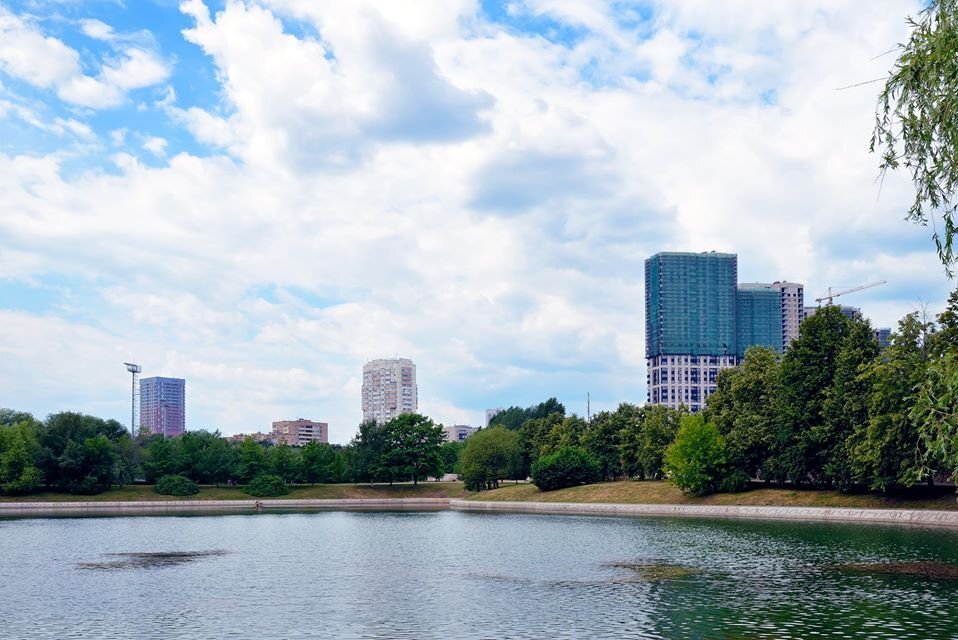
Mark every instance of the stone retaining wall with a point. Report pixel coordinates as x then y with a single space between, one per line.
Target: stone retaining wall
887 516
194 506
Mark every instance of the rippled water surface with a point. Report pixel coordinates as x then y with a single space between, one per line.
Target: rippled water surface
460 575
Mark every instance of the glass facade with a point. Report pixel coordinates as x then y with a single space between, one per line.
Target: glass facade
758 319
690 304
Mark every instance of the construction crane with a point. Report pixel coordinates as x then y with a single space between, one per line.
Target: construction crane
852 290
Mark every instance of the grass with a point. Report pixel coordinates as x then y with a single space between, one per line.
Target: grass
298 492
656 492
623 492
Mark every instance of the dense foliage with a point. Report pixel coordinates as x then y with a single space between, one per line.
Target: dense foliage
834 411
266 485
697 461
567 467
176 485
489 456
916 122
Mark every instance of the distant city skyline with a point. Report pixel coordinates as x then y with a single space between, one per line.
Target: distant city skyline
262 196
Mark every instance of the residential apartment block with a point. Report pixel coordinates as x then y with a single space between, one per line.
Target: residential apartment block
699 320
298 433
389 389
163 405
458 432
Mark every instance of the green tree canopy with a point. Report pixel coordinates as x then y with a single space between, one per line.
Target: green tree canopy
411 448
916 121
490 455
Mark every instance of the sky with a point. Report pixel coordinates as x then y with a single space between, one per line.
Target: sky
259 196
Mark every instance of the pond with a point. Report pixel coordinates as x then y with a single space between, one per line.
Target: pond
453 574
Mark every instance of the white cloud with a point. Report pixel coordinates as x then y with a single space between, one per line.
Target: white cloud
155 145
502 248
48 63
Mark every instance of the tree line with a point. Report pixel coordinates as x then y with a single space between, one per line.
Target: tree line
82 454
836 410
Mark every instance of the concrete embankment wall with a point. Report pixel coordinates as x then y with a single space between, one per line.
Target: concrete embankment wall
878 516
820 514
199 506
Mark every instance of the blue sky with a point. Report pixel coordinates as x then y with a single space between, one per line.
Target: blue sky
261 195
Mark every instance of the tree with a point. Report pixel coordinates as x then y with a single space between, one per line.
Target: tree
411 448
533 436
87 467
252 460
162 458
845 408
916 123
602 437
807 371
366 451
743 409
697 461
451 454
490 455
887 452
18 453
283 461
316 463
514 417
935 413
567 467
568 433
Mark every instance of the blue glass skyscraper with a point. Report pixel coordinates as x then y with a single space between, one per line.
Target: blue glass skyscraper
699 321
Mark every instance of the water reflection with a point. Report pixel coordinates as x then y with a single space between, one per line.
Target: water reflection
149 560
468 575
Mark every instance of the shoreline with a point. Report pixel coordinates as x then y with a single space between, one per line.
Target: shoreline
919 517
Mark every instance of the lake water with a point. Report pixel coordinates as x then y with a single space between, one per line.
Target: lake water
451 574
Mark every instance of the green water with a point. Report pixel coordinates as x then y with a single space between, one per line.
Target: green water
463 575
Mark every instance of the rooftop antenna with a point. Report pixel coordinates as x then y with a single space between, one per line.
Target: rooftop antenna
134 369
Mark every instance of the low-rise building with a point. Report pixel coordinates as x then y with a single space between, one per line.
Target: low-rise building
458 432
300 432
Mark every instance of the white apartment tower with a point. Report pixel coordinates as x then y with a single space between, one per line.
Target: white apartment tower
389 389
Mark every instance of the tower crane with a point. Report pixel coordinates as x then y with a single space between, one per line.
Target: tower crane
852 290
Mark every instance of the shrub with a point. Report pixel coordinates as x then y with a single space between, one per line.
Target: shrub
696 461
567 467
175 485
266 485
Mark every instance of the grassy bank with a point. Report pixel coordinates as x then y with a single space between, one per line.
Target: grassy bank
650 492
319 491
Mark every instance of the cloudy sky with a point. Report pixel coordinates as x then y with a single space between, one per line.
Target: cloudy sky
261 195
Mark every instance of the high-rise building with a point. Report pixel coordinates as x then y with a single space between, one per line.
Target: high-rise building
698 320
389 389
300 432
689 324
492 413
163 405
883 335
792 296
758 318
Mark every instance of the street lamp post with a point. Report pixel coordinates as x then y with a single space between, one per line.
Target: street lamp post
134 369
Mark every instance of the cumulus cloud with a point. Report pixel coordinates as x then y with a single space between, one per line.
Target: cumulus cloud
412 179
48 63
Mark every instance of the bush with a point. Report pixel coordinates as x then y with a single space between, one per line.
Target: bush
266 485
697 461
567 467
175 485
